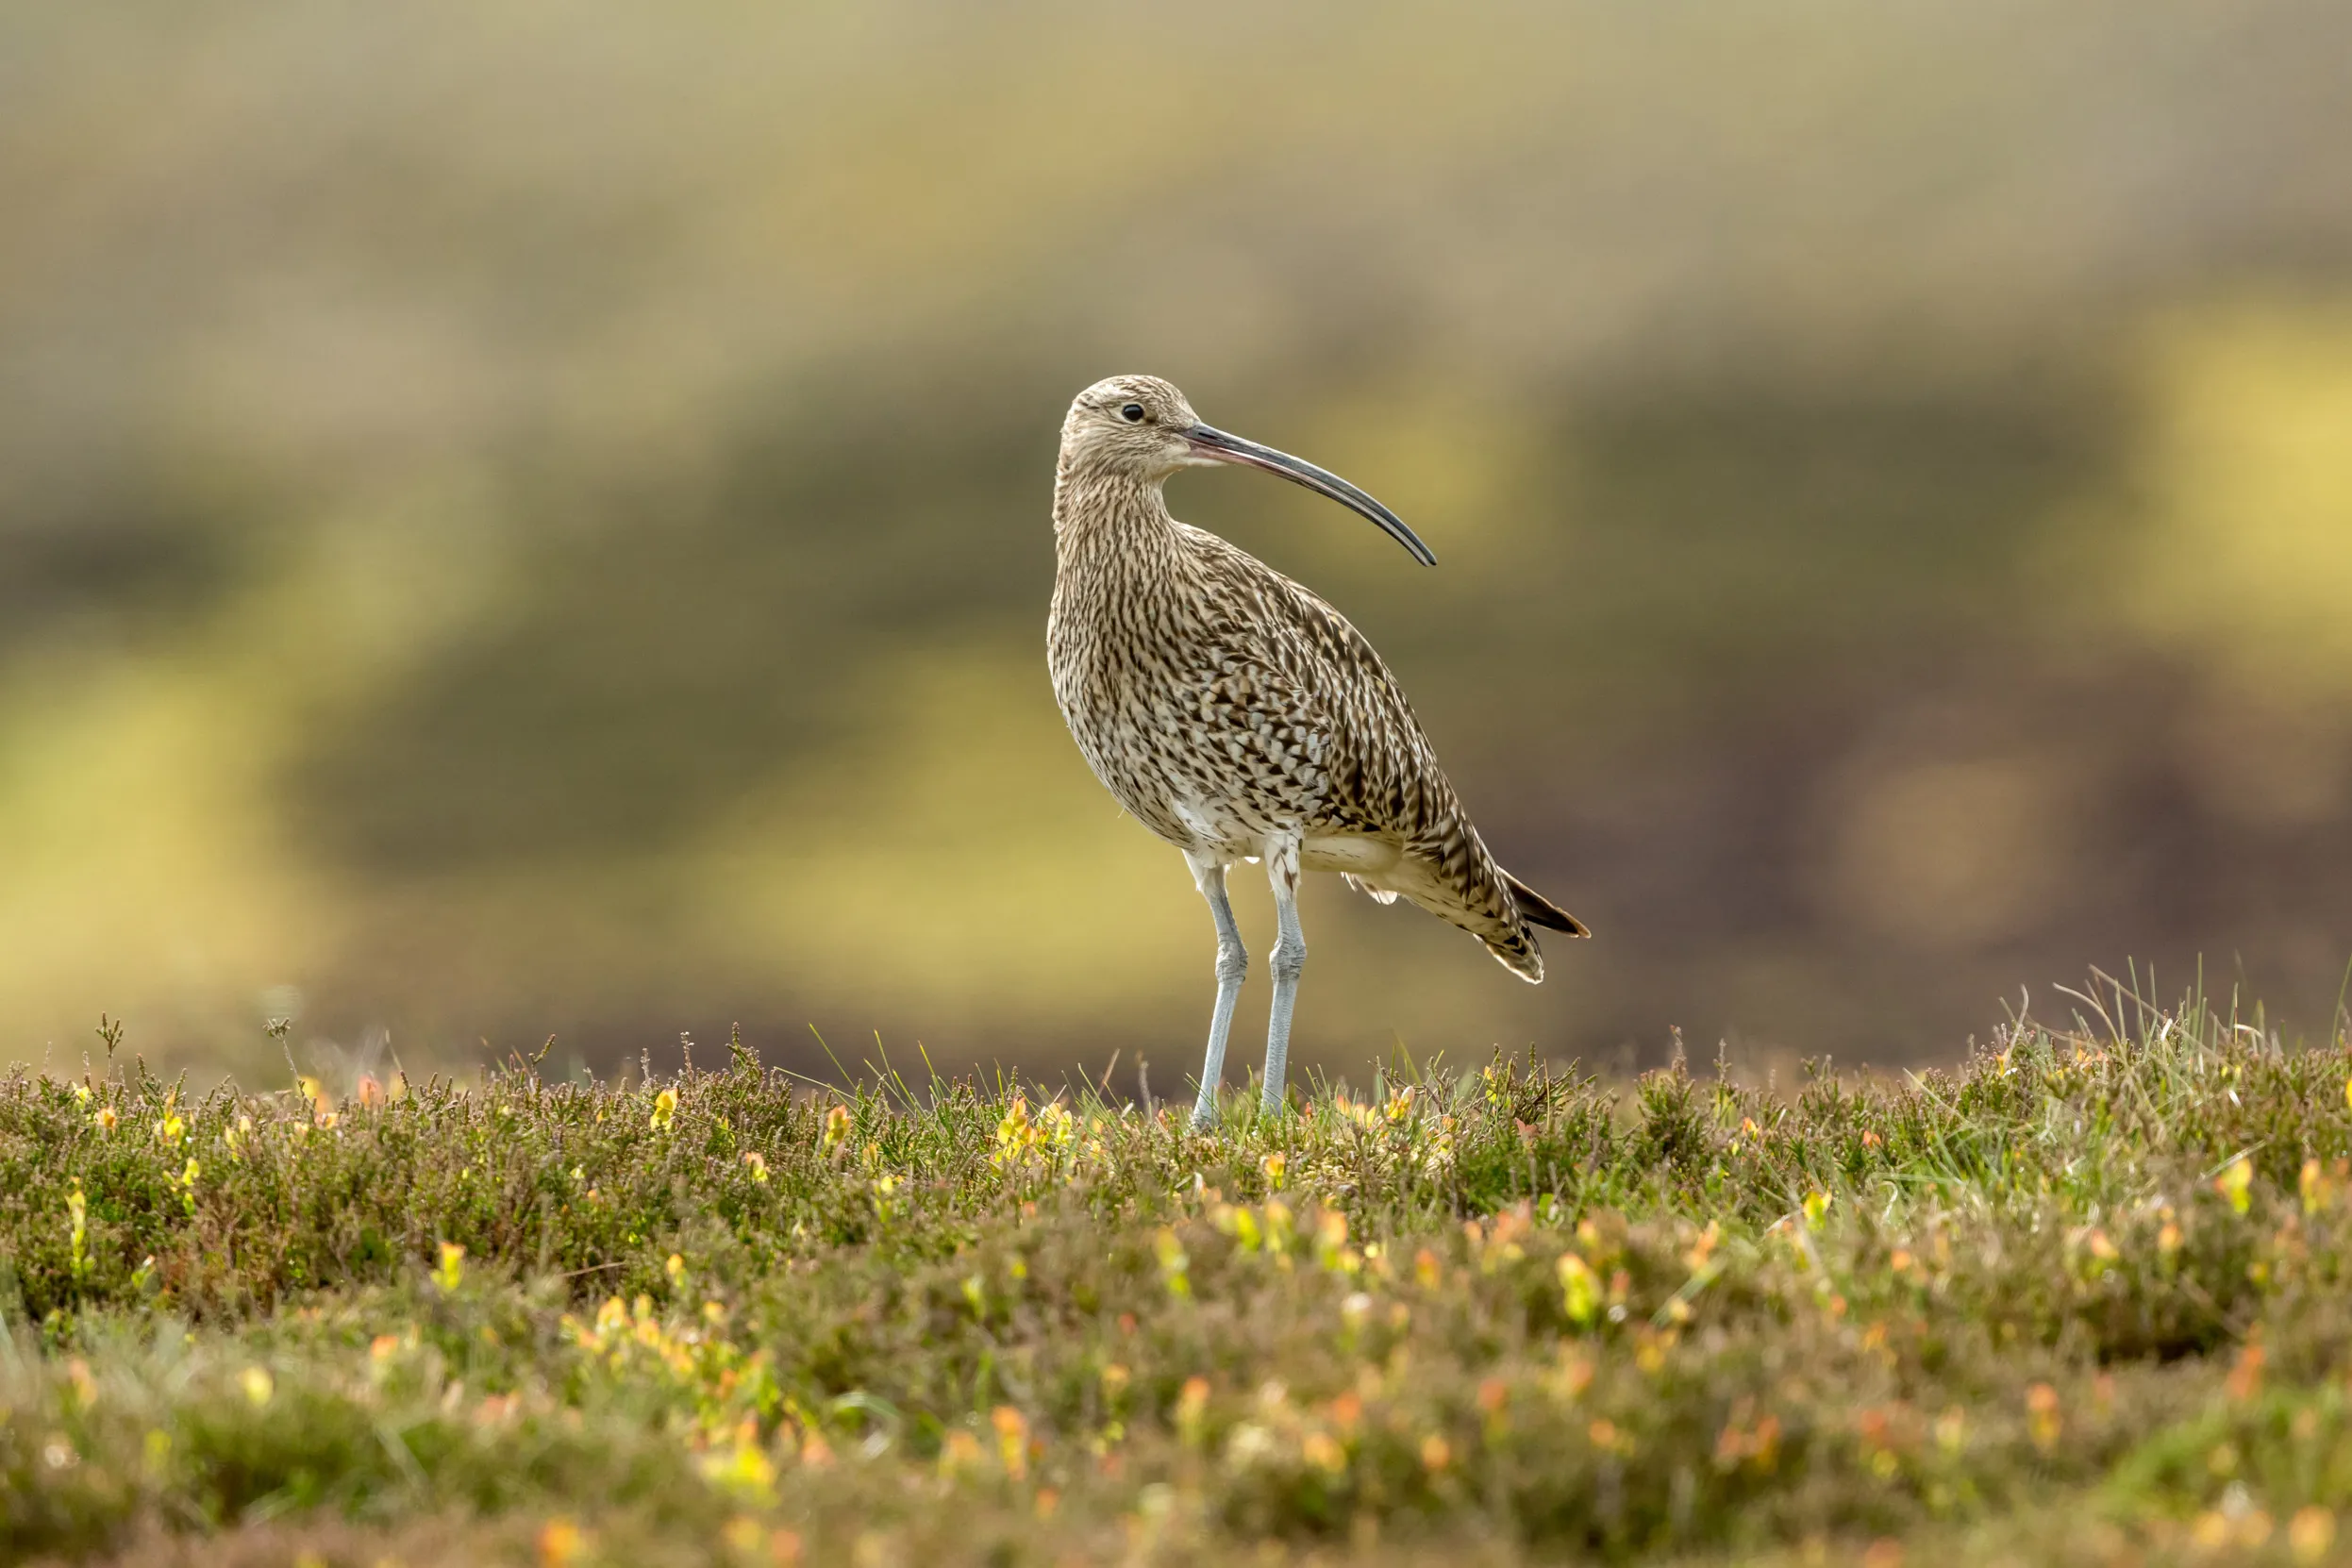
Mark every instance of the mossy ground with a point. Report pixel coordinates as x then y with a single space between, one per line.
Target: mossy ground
2080 1300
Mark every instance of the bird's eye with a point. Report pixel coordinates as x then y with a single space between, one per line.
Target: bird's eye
1132 413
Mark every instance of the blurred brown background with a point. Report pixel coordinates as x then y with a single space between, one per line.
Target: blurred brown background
526 519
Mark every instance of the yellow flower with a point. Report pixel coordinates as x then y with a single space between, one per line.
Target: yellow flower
745 1471
1014 1133
2045 1423
2310 1532
1322 1451
1012 1440
2235 1183
1192 1409
452 1271
665 1107
559 1542
1582 1287
959 1452
77 1206
1175 1264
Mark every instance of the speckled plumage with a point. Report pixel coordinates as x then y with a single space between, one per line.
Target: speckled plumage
1234 712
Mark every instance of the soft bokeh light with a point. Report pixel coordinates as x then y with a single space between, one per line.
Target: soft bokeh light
530 522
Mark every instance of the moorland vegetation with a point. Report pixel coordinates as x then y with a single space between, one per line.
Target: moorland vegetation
2078 1299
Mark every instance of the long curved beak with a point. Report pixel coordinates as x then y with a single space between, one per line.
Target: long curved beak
1210 444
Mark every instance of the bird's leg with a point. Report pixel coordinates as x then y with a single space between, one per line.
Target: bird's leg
1233 964
1290 957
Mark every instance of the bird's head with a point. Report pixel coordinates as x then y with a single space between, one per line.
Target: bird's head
1140 427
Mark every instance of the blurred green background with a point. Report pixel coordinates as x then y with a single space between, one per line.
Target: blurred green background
526 519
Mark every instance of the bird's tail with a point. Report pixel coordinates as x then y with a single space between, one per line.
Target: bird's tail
1516 951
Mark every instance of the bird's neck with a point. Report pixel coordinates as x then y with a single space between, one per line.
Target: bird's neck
1105 519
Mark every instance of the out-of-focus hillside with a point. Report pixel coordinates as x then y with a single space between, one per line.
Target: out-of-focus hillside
527 521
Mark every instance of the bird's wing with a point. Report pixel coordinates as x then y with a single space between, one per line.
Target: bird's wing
1381 774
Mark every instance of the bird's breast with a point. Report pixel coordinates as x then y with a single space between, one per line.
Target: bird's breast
1195 737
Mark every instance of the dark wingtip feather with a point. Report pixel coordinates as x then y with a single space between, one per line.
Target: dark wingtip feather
1536 910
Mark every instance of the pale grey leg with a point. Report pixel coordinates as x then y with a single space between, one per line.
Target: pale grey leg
1290 958
1233 964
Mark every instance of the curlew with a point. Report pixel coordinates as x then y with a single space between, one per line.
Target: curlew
1239 717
